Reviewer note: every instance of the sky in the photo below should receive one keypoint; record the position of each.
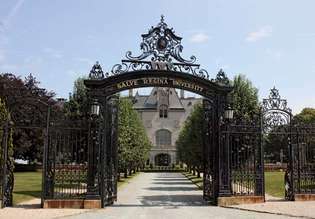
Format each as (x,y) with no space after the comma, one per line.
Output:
(271,42)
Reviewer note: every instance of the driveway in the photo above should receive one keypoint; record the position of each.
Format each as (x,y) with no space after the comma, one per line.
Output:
(165,195)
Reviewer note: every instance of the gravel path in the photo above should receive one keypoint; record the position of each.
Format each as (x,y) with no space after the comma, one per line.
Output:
(165,195)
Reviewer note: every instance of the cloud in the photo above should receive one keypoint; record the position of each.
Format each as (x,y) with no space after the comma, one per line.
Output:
(85,60)
(5,23)
(74,74)
(199,38)
(275,54)
(53,53)
(263,32)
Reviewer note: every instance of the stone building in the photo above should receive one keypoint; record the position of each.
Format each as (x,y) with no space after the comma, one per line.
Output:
(163,113)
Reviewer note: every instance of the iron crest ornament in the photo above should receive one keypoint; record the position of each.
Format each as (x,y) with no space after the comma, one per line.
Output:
(96,71)
(162,44)
(276,111)
(161,50)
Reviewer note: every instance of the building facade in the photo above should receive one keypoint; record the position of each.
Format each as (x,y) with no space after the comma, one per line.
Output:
(163,113)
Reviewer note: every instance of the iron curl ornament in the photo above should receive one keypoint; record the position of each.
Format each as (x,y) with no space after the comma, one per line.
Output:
(161,50)
(275,110)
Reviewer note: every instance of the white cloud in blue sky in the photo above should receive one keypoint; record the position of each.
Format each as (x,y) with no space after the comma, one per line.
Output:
(53,53)
(263,32)
(199,38)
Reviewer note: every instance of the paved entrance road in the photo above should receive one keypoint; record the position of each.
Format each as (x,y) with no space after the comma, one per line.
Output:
(165,195)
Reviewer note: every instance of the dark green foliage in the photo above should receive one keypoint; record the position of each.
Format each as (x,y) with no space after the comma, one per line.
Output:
(190,141)
(4,115)
(276,144)
(77,106)
(26,100)
(134,144)
(245,98)
(306,116)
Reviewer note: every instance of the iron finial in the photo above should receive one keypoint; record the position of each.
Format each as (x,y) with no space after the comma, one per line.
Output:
(162,18)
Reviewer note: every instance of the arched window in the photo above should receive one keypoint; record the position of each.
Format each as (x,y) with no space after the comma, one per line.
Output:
(163,137)
(163,111)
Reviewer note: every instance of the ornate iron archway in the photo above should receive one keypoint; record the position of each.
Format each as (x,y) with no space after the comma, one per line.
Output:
(297,140)
(159,65)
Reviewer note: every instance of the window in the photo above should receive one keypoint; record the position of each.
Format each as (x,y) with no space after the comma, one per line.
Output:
(163,137)
(163,111)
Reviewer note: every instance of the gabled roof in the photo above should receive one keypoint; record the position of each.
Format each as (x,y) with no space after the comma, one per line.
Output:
(151,101)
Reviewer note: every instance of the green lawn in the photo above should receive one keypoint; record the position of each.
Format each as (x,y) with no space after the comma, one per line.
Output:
(198,181)
(27,185)
(274,184)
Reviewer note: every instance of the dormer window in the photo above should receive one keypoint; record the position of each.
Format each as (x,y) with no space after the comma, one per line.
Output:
(163,111)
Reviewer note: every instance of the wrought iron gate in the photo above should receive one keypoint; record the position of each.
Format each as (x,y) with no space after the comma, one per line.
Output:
(65,160)
(296,139)
(244,142)
(301,168)
(208,151)
(109,151)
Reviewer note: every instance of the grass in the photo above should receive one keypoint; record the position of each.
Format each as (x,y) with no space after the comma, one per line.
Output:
(274,182)
(198,181)
(28,185)
(123,180)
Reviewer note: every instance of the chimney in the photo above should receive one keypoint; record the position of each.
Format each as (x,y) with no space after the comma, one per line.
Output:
(182,96)
(130,92)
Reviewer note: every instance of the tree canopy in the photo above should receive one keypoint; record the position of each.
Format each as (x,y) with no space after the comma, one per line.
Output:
(190,141)
(245,97)
(307,116)
(23,99)
(77,105)
(134,144)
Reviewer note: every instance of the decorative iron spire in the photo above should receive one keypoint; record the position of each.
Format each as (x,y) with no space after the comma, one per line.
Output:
(275,111)
(162,44)
(274,102)
(96,71)
(162,18)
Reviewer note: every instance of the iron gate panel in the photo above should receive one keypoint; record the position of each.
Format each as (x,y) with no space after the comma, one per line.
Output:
(243,140)
(108,164)
(303,159)
(65,167)
(208,151)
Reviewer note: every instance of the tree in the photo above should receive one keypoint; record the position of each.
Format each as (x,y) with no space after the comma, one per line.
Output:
(78,103)
(27,104)
(245,98)
(133,142)
(307,116)
(190,141)
(5,132)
